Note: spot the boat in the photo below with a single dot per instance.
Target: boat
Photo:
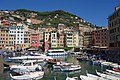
(37, 57)
(58, 65)
(106, 76)
(113, 72)
(67, 68)
(94, 77)
(73, 78)
(83, 77)
(53, 61)
(116, 70)
(34, 75)
(26, 65)
(56, 52)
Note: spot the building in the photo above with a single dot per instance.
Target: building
(4, 38)
(46, 39)
(114, 29)
(53, 39)
(12, 42)
(26, 40)
(69, 38)
(18, 32)
(76, 39)
(87, 39)
(100, 38)
(60, 40)
(41, 31)
(35, 40)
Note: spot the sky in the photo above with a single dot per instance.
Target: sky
(93, 11)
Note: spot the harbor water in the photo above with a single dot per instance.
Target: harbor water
(51, 74)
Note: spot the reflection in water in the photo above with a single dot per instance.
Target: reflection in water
(51, 74)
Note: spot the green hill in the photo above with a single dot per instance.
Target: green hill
(50, 18)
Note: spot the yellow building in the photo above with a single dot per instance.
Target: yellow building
(26, 39)
(69, 37)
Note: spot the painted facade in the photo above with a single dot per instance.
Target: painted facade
(114, 29)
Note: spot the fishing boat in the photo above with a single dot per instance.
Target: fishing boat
(56, 52)
(26, 65)
(67, 68)
(73, 78)
(34, 75)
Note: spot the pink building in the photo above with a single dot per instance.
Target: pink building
(35, 40)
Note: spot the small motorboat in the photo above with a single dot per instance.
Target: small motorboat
(27, 75)
(53, 61)
(113, 72)
(73, 78)
(82, 77)
(116, 70)
(58, 65)
(73, 67)
(26, 65)
(106, 76)
(94, 77)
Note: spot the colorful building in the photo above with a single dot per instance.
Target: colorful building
(100, 38)
(69, 38)
(26, 40)
(4, 38)
(87, 39)
(18, 32)
(60, 40)
(35, 40)
(114, 29)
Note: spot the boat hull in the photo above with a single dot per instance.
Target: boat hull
(56, 54)
(29, 76)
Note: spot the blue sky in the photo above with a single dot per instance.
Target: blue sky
(94, 11)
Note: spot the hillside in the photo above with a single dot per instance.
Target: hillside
(51, 18)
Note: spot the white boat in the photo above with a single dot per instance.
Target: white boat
(37, 57)
(56, 52)
(60, 64)
(67, 68)
(95, 77)
(28, 76)
(26, 65)
(82, 77)
(106, 76)
(113, 72)
(73, 78)
(104, 63)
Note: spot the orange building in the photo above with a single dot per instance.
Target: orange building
(4, 38)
